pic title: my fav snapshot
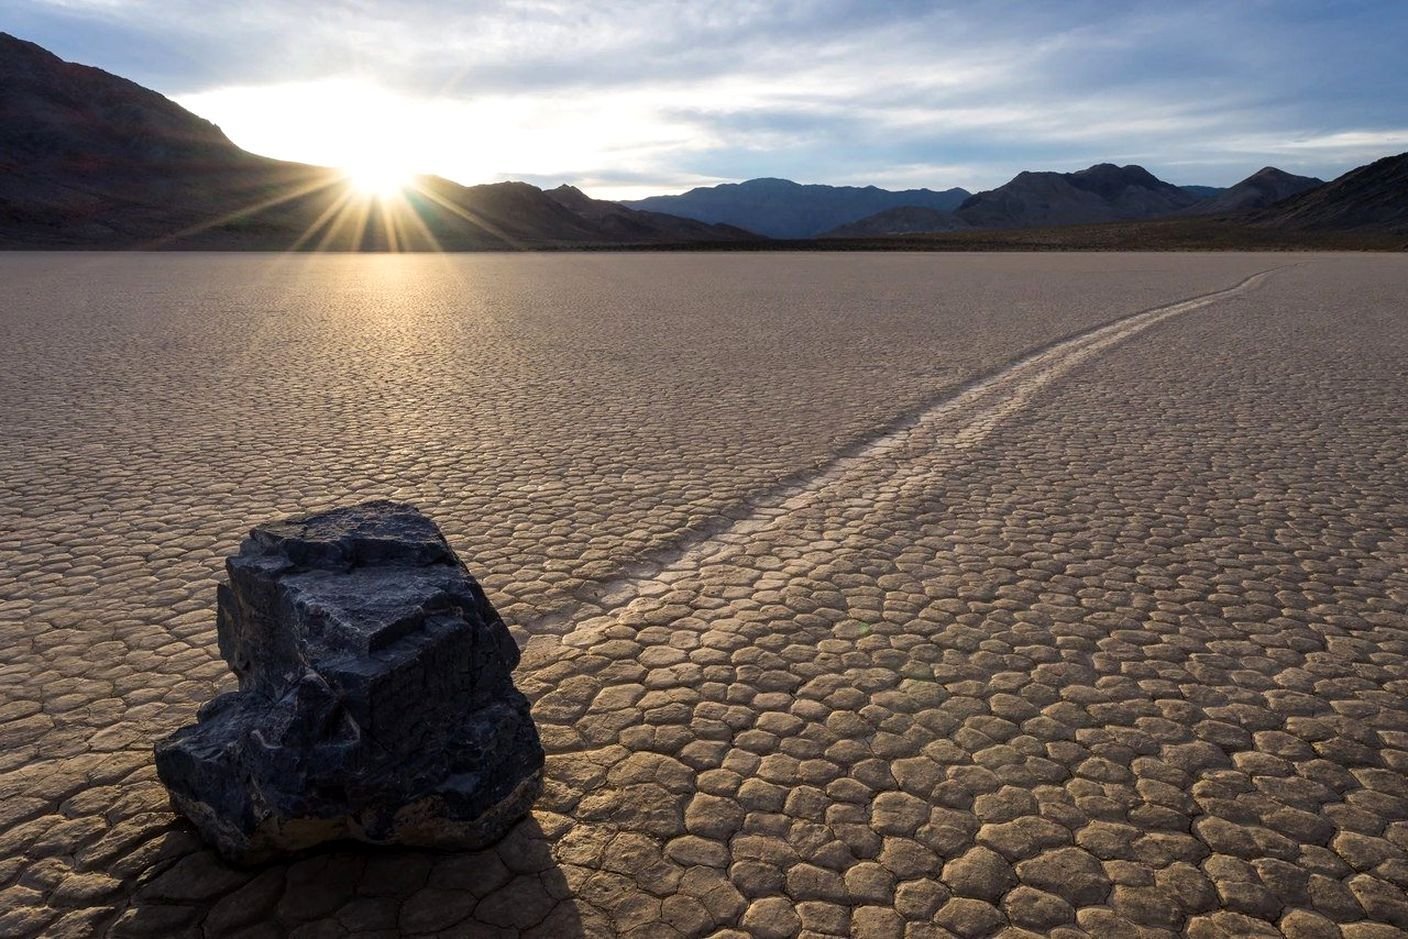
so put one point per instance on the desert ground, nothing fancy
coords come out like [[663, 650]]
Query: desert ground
[[874, 595]]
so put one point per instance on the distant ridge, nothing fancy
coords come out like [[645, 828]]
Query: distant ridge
[[1265, 187], [780, 208], [1102, 193], [1370, 198], [91, 160], [617, 221], [1204, 192]]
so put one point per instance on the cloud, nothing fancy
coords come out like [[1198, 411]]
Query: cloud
[[1345, 142], [628, 95]]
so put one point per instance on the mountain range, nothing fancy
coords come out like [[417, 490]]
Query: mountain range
[[89, 159], [1102, 193], [92, 160], [780, 208]]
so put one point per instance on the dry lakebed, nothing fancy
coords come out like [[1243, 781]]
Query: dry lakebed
[[873, 595]]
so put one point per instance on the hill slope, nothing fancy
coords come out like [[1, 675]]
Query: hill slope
[[92, 160], [1102, 193], [904, 220], [780, 208], [1266, 186], [1371, 198]]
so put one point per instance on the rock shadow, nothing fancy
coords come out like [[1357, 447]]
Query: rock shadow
[[514, 888]]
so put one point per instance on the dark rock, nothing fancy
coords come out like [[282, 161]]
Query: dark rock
[[376, 701]]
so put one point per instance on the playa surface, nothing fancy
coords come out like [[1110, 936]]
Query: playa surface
[[870, 595]]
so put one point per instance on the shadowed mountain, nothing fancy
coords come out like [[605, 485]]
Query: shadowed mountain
[[1204, 192], [904, 220], [1366, 209], [91, 160], [1102, 193], [780, 208], [615, 220], [1371, 198], [1266, 186]]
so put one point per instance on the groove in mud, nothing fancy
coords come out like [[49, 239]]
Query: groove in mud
[[974, 410]]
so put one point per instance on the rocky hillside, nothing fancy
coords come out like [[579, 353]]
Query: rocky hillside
[[1266, 186], [1371, 198], [904, 220]]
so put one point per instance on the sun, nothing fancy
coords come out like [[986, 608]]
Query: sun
[[380, 179]]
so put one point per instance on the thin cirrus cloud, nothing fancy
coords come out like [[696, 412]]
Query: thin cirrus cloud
[[641, 96]]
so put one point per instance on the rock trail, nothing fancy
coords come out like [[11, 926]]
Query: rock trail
[[955, 421]]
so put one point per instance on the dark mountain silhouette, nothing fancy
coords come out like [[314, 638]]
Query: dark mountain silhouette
[[904, 220], [615, 220], [1204, 192], [780, 208], [1266, 186], [1371, 198], [88, 159], [1102, 193]]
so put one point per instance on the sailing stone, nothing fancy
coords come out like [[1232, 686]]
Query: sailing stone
[[376, 701]]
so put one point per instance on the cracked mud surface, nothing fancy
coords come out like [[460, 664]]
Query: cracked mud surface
[[868, 596]]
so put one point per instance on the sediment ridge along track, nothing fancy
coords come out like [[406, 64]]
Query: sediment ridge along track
[[956, 421]]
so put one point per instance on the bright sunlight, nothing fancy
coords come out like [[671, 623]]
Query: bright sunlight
[[382, 179]]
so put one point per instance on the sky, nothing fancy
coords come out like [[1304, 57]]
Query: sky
[[629, 98]]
